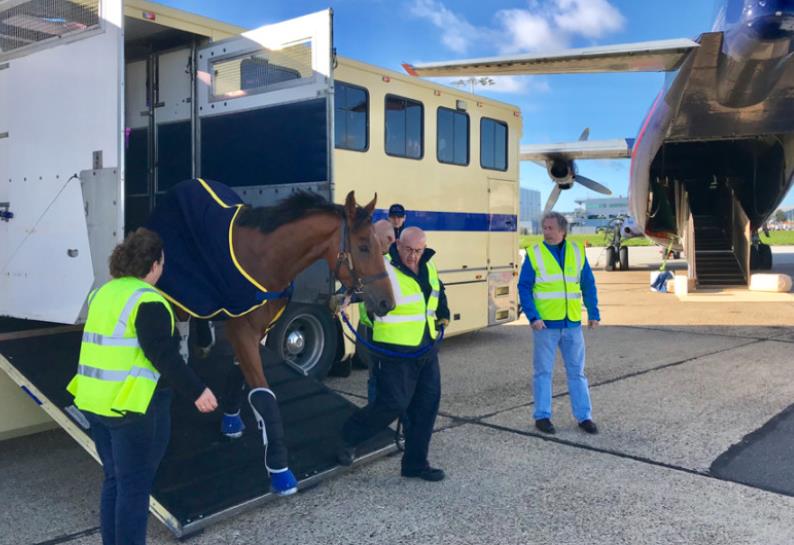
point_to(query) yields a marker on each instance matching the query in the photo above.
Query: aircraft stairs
(204, 477)
(716, 263)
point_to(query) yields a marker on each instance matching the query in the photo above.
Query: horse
(268, 247)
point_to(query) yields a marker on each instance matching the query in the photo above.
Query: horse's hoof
(232, 425)
(283, 483)
(203, 352)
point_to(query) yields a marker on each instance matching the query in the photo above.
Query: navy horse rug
(202, 275)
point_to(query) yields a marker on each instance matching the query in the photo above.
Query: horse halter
(345, 257)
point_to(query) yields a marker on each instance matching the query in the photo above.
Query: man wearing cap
(397, 219)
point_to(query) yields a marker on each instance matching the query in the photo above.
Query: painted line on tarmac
(71, 537)
(711, 333)
(564, 393)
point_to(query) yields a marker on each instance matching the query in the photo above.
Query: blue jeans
(130, 449)
(570, 341)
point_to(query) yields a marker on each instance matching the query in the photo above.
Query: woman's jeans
(130, 448)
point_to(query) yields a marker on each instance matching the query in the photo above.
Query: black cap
(397, 210)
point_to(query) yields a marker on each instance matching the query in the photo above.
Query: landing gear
(612, 258)
(760, 257)
(624, 258)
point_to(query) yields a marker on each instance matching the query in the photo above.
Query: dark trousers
(130, 449)
(407, 388)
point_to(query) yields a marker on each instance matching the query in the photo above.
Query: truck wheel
(305, 337)
(611, 259)
(624, 258)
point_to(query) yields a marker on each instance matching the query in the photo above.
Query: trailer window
(493, 144)
(404, 127)
(351, 117)
(260, 72)
(28, 24)
(452, 136)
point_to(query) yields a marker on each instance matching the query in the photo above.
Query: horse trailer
(106, 104)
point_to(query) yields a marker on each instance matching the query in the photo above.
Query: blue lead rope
(386, 351)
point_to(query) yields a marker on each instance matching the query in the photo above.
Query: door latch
(5, 213)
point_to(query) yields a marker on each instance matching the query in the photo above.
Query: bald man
(405, 373)
(384, 232)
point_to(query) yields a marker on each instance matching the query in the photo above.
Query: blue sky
(555, 108)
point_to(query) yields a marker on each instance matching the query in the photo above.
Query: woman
(129, 341)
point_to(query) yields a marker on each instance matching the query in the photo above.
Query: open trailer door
(61, 153)
(204, 477)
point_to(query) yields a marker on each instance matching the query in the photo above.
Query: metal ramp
(204, 477)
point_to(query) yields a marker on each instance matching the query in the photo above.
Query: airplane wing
(584, 149)
(654, 56)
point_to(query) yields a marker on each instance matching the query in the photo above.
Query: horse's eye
(364, 249)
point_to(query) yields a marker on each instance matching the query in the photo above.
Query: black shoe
(588, 426)
(340, 369)
(346, 455)
(545, 425)
(432, 474)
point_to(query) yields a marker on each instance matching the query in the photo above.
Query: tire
(765, 257)
(624, 258)
(306, 337)
(611, 259)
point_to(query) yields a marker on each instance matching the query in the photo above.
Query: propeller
(562, 171)
(555, 194)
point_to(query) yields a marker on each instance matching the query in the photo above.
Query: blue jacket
(526, 281)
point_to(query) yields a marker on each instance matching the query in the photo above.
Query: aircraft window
(404, 127)
(452, 136)
(351, 117)
(493, 144)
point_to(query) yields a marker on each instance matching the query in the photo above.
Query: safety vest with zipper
(557, 291)
(113, 374)
(405, 324)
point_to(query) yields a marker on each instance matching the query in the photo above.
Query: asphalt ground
(697, 434)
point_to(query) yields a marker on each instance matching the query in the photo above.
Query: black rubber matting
(204, 473)
(763, 459)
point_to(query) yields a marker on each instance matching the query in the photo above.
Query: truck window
(404, 127)
(351, 117)
(493, 144)
(452, 136)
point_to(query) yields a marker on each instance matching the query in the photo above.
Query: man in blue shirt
(553, 274)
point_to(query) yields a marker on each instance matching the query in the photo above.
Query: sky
(555, 108)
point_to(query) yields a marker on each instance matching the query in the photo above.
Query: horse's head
(360, 264)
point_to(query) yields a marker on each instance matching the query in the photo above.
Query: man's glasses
(413, 251)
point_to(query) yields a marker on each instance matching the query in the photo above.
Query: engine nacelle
(561, 171)
(630, 229)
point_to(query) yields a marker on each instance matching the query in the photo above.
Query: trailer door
(502, 250)
(60, 153)
(265, 109)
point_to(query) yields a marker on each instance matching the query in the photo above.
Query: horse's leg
(245, 333)
(232, 424)
(205, 337)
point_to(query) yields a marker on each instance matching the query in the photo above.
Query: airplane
(714, 156)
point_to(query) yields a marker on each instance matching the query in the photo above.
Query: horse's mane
(298, 205)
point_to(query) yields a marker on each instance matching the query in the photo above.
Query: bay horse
(270, 246)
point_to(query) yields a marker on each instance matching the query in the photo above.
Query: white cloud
(590, 18)
(545, 25)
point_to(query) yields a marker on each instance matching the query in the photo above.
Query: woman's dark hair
(136, 255)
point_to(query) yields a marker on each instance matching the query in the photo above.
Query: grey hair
(562, 223)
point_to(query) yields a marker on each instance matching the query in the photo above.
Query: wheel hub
(296, 342)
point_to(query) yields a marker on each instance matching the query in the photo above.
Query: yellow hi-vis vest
(557, 292)
(113, 375)
(405, 325)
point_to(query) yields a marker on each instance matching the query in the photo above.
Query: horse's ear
(371, 206)
(350, 206)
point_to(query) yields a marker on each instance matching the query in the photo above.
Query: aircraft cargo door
(502, 250)
(60, 153)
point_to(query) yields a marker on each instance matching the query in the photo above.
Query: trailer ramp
(204, 477)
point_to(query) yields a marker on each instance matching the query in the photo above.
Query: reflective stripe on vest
(114, 376)
(405, 324)
(557, 291)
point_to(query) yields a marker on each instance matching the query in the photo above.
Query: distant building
(529, 211)
(595, 213)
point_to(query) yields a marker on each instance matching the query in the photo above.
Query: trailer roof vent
(28, 23)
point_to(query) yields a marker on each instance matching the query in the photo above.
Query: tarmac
(693, 399)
